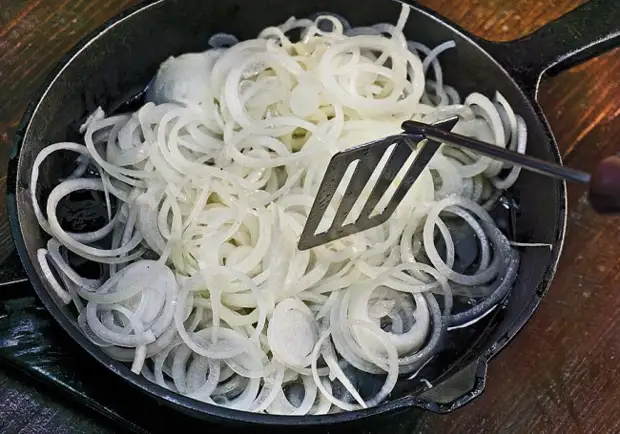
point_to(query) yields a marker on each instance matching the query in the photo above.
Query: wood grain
(561, 374)
(24, 409)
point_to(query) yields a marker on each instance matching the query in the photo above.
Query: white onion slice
(292, 333)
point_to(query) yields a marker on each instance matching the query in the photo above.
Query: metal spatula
(604, 192)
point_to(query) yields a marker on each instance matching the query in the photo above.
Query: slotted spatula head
(366, 159)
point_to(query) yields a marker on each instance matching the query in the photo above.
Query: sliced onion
(292, 333)
(203, 289)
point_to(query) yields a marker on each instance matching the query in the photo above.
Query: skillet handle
(583, 33)
(456, 391)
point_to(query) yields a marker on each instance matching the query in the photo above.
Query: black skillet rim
(188, 405)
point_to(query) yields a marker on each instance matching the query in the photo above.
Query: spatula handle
(604, 188)
(525, 161)
(604, 191)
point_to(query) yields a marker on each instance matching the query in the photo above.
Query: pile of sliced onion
(208, 186)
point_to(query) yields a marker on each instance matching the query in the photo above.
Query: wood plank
(561, 373)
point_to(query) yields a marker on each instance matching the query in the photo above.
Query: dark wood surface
(26, 409)
(562, 372)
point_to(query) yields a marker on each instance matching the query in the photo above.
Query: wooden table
(562, 373)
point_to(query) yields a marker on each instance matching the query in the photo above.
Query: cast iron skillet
(118, 60)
